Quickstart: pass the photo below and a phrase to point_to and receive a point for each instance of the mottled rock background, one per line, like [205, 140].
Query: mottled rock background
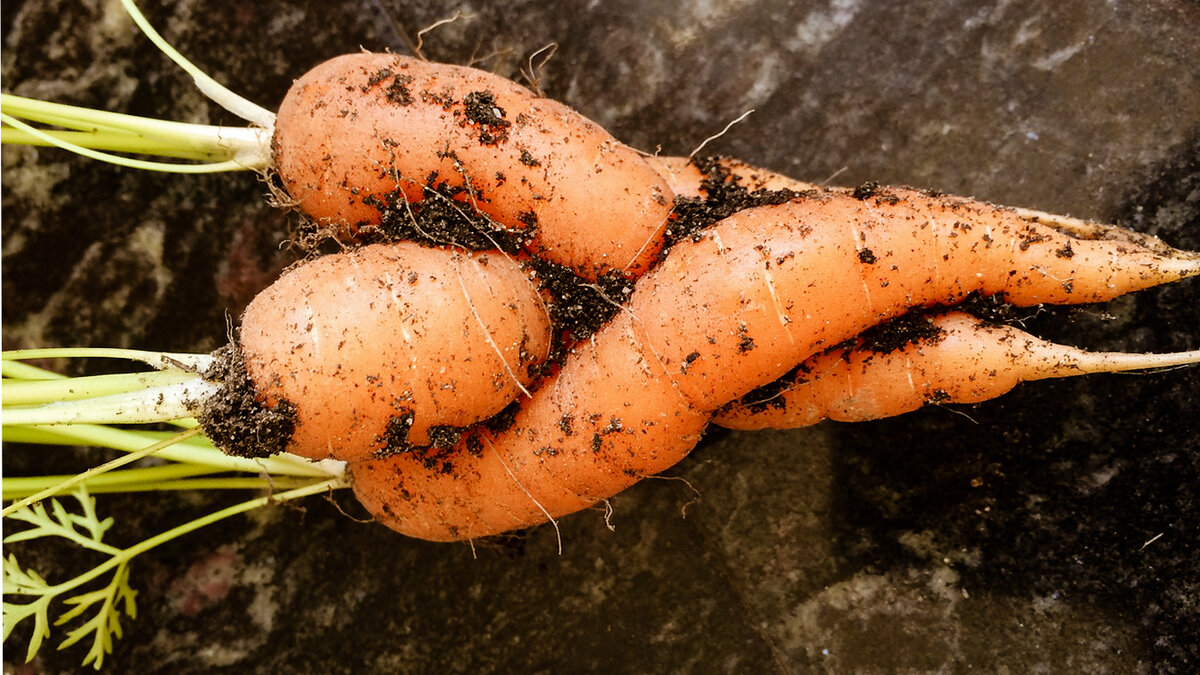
[1011, 536]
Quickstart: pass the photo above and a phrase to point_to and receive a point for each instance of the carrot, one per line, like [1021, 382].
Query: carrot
[630, 402]
[954, 358]
[811, 273]
[393, 344]
[362, 138]
[819, 270]
[364, 133]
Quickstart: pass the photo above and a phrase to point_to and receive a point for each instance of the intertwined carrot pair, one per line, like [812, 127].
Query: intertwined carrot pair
[397, 357]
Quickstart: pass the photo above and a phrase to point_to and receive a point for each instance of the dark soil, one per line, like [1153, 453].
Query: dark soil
[725, 193]
[236, 419]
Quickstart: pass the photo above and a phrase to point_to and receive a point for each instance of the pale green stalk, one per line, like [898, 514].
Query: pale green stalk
[146, 165]
[24, 371]
[142, 484]
[112, 141]
[157, 360]
[72, 481]
[214, 90]
[79, 118]
[132, 441]
[101, 129]
[149, 405]
[29, 392]
[129, 439]
[20, 487]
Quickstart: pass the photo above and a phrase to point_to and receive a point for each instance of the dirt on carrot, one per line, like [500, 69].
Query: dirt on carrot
[236, 419]
[388, 346]
[710, 189]
[347, 155]
[641, 390]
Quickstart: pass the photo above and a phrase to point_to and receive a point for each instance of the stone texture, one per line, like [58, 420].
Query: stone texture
[1054, 530]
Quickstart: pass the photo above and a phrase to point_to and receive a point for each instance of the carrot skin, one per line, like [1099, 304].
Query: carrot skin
[359, 340]
[810, 274]
[361, 127]
[967, 362]
[582, 438]
[821, 269]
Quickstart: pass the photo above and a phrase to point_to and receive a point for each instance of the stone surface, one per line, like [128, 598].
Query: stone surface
[1054, 530]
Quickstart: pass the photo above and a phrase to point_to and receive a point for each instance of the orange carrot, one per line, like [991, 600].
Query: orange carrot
[388, 343]
[810, 274]
[607, 420]
[819, 270]
[390, 356]
[958, 359]
[365, 137]
[363, 132]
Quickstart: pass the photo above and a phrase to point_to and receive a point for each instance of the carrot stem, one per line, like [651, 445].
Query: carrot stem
[72, 481]
[27, 392]
[132, 133]
[215, 91]
[22, 486]
[192, 453]
[157, 360]
[175, 477]
[253, 159]
[147, 405]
